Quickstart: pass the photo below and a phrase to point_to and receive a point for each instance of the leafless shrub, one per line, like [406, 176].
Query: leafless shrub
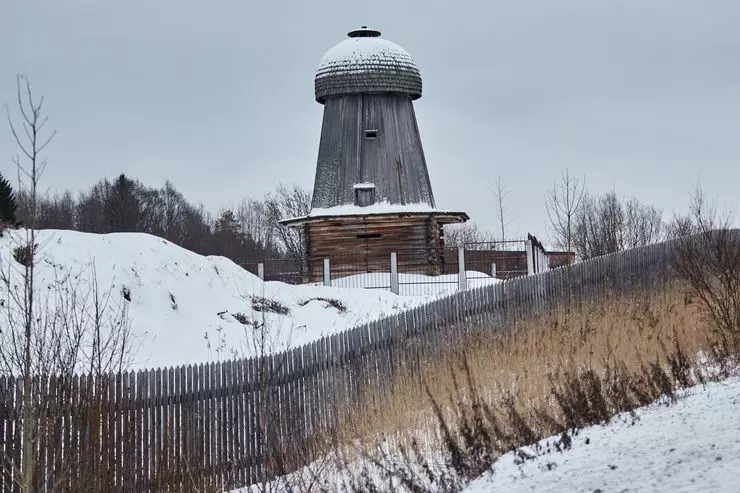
[709, 261]
[267, 305]
[262, 304]
[339, 305]
[24, 254]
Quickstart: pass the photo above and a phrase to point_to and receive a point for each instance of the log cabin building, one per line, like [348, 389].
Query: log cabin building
[372, 194]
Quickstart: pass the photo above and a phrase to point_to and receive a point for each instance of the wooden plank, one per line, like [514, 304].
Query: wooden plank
[217, 419]
[203, 422]
[4, 419]
[239, 424]
[15, 455]
[251, 413]
[156, 425]
[300, 389]
[143, 427]
[247, 427]
[40, 403]
[325, 395]
[164, 430]
[6, 427]
[115, 462]
[225, 400]
[101, 473]
[308, 386]
[293, 416]
[75, 446]
[179, 435]
[188, 425]
[89, 432]
[198, 437]
[135, 426]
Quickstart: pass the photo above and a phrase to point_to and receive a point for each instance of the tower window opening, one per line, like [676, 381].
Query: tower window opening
[371, 134]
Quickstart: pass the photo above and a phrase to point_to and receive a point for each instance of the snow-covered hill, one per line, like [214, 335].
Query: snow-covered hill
[690, 446]
[188, 308]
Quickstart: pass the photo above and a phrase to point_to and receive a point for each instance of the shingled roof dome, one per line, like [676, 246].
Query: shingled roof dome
[366, 63]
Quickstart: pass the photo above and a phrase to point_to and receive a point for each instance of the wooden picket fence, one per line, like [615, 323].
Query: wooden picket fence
[233, 423]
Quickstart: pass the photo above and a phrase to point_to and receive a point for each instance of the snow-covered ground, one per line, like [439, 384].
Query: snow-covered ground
[690, 446]
[187, 308]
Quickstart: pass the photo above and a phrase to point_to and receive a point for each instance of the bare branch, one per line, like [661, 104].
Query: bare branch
[563, 201]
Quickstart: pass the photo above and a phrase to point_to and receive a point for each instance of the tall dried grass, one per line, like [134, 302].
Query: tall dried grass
[519, 372]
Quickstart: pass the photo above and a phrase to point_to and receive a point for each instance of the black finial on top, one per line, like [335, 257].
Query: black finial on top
[364, 32]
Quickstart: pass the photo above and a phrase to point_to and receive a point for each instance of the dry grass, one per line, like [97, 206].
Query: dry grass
[628, 333]
[497, 391]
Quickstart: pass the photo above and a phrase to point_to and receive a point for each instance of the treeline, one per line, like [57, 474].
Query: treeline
[247, 234]
[596, 225]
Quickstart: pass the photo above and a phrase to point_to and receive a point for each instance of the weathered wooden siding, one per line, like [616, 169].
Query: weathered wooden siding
[358, 245]
[394, 160]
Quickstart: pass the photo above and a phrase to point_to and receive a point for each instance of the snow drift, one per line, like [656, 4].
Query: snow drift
[188, 308]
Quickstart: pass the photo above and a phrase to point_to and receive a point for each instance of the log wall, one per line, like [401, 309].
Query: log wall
[357, 245]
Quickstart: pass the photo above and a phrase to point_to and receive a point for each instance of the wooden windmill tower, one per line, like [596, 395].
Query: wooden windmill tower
[372, 194]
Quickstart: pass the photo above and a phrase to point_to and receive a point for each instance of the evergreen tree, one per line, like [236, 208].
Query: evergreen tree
[8, 204]
[122, 209]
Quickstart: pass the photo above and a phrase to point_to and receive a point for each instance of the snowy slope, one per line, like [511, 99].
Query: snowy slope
[182, 303]
[691, 446]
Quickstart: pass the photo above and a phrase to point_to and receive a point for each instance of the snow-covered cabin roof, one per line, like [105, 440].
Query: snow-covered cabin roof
[379, 209]
[366, 63]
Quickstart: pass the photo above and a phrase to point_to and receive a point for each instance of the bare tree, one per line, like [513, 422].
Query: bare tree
[708, 258]
[605, 225]
[256, 223]
[284, 203]
[31, 144]
[174, 206]
[500, 193]
[90, 208]
[598, 226]
[643, 224]
[49, 332]
[563, 201]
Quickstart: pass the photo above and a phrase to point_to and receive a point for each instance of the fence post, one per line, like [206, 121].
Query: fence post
[530, 260]
[493, 269]
[462, 279]
[261, 271]
[327, 272]
[394, 273]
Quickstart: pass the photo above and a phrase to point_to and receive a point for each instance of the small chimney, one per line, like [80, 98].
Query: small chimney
[364, 194]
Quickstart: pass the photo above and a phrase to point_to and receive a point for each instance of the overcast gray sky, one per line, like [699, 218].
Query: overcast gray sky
[642, 97]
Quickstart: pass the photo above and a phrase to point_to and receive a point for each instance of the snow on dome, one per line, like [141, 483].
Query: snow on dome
[366, 63]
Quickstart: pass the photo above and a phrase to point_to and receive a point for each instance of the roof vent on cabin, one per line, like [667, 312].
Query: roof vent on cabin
[364, 194]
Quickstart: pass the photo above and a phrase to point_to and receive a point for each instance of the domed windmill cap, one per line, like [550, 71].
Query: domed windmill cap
[365, 63]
